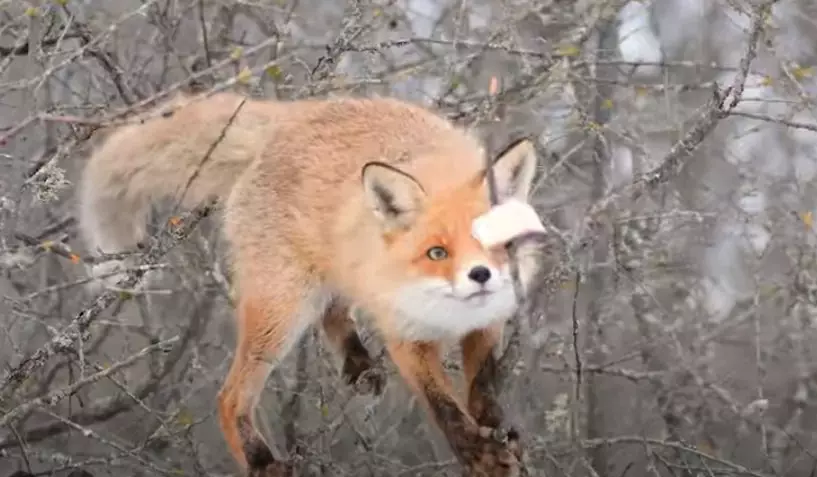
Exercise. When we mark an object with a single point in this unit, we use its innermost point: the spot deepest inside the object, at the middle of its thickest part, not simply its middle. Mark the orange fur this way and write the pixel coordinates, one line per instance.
(328, 204)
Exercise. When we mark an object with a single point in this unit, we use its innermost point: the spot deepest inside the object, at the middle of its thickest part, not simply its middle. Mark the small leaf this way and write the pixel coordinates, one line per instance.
(766, 17)
(376, 12)
(32, 12)
(61, 3)
(184, 418)
(244, 76)
(47, 245)
(274, 72)
(237, 53)
(339, 80)
(641, 91)
(607, 104)
(125, 295)
(325, 410)
(706, 447)
(174, 221)
(767, 81)
(808, 218)
(568, 50)
(801, 72)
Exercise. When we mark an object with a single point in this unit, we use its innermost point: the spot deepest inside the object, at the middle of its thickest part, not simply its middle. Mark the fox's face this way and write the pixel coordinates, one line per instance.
(450, 284)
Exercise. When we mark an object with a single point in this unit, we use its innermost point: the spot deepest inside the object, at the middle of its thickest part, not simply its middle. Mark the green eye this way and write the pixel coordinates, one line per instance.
(437, 253)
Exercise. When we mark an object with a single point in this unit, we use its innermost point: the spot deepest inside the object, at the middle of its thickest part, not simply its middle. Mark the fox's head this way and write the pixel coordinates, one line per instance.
(449, 284)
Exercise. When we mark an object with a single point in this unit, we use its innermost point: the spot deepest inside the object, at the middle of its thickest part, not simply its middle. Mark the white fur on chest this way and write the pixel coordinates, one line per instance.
(426, 312)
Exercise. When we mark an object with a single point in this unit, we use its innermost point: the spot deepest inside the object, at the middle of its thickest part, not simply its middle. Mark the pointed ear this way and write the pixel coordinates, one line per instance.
(514, 170)
(394, 196)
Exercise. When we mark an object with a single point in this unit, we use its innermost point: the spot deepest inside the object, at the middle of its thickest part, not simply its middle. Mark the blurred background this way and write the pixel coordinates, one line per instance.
(674, 332)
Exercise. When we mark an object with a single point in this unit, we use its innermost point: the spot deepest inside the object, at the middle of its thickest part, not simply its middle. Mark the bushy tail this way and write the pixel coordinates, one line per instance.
(190, 156)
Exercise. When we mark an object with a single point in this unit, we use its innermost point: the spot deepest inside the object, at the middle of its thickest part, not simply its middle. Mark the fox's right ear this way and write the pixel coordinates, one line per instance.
(394, 196)
(514, 170)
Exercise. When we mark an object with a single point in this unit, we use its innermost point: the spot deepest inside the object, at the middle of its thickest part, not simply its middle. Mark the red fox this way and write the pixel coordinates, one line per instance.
(330, 204)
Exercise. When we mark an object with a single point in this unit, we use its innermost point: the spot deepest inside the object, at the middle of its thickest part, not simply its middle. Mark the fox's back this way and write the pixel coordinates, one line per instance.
(305, 188)
(323, 145)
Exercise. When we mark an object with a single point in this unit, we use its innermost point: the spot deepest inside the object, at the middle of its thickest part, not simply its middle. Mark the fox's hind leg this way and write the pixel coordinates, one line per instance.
(358, 367)
(270, 321)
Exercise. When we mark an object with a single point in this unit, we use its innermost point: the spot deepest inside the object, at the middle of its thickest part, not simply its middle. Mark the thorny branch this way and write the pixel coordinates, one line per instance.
(79, 326)
(57, 395)
(77, 329)
(719, 106)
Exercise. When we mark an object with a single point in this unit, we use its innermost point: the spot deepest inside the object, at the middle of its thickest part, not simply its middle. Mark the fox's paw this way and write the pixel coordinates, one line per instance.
(261, 462)
(371, 381)
(486, 411)
(273, 469)
(364, 375)
(494, 452)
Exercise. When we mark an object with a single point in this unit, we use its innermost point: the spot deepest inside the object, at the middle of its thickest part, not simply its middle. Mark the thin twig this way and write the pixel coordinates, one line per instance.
(57, 395)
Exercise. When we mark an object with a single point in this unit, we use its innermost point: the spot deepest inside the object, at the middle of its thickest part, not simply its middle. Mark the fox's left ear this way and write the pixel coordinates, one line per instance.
(394, 196)
(514, 170)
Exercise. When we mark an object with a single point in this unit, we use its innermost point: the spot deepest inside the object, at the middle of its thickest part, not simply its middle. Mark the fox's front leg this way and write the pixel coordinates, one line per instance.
(480, 368)
(478, 448)
(358, 367)
(480, 372)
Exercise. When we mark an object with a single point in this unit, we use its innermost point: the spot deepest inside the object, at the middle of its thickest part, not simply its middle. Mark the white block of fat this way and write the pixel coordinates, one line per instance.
(505, 222)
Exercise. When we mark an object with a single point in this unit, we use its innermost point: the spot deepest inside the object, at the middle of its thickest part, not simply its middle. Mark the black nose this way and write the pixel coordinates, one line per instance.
(480, 274)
